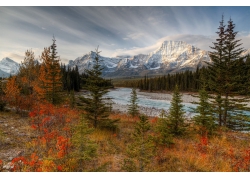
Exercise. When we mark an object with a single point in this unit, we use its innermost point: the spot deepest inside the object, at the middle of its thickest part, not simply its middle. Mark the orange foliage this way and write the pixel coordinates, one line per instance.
(12, 93)
(49, 81)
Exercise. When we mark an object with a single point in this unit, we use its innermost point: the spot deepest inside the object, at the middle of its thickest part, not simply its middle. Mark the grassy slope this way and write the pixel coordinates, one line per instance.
(222, 153)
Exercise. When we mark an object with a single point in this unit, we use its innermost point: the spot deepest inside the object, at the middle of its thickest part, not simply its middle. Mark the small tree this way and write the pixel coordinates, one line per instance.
(12, 93)
(176, 114)
(72, 99)
(133, 106)
(165, 137)
(141, 150)
(84, 148)
(204, 118)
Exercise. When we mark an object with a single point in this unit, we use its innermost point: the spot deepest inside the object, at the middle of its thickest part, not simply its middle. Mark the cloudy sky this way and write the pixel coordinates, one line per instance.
(116, 30)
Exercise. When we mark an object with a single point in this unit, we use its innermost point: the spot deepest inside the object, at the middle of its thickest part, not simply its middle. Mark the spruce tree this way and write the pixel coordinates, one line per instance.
(72, 99)
(215, 69)
(133, 106)
(204, 118)
(93, 105)
(176, 118)
(233, 115)
(165, 137)
(224, 80)
(141, 150)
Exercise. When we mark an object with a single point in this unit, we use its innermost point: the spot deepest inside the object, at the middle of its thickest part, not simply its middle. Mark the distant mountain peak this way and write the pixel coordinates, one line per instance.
(8, 66)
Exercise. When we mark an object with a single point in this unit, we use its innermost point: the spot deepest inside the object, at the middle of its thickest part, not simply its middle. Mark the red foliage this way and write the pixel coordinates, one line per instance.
(59, 168)
(202, 146)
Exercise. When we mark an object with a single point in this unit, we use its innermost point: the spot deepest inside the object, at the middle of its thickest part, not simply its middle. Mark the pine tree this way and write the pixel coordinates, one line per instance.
(176, 116)
(215, 69)
(233, 116)
(225, 82)
(204, 118)
(165, 137)
(93, 105)
(72, 99)
(133, 106)
(141, 150)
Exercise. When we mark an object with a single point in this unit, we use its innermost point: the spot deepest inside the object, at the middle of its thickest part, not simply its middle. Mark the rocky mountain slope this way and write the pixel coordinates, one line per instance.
(8, 67)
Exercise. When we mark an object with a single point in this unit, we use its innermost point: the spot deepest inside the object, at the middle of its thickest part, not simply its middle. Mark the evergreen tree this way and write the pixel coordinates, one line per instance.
(72, 99)
(165, 137)
(133, 106)
(215, 69)
(141, 150)
(225, 82)
(93, 105)
(176, 114)
(232, 105)
(204, 118)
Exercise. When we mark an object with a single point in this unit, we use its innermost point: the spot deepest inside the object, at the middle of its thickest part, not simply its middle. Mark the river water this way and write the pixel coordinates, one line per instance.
(122, 96)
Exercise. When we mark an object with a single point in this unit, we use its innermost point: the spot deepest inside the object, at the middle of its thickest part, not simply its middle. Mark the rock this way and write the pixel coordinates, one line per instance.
(8, 166)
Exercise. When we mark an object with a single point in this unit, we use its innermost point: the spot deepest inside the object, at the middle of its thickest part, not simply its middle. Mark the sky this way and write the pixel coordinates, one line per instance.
(115, 30)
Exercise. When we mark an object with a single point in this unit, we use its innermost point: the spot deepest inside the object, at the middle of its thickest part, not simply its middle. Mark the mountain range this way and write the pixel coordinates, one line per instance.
(170, 57)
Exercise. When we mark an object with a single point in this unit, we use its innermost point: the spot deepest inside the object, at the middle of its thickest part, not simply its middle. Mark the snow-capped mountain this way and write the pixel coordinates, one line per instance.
(172, 56)
(8, 67)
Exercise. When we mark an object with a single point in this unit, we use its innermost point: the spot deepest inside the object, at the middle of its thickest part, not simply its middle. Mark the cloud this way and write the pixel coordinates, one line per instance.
(200, 41)
(116, 30)
(135, 35)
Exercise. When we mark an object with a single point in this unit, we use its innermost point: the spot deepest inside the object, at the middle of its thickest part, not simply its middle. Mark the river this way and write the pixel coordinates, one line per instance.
(121, 97)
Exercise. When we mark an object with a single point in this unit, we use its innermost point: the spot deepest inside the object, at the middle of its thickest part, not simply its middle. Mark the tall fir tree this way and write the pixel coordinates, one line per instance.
(215, 69)
(176, 118)
(133, 106)
(233, 116)
(224, 80)
(93, 105)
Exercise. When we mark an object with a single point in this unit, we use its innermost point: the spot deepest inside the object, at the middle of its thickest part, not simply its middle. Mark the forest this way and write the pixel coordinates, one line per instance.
(54, 119)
